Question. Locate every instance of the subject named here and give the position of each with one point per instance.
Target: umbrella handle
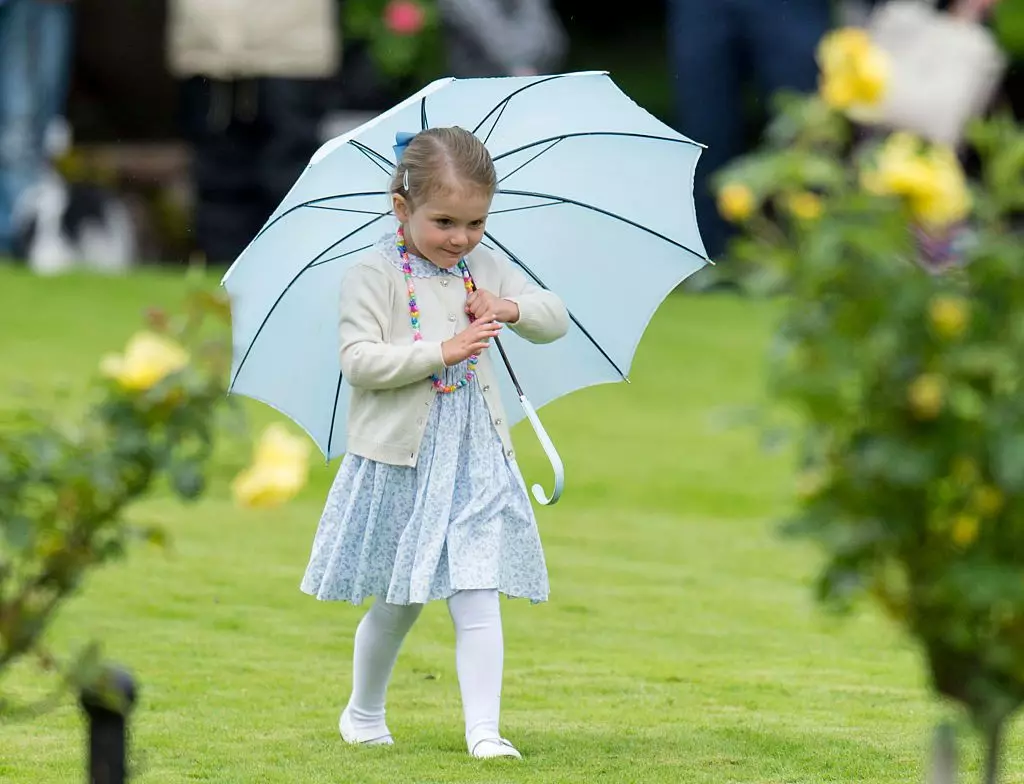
(550, 451)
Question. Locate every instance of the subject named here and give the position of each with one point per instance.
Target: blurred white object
(237, 39)
(946, 69)
(62, 227)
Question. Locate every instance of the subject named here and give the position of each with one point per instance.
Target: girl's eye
(444, 222)
(477, 224)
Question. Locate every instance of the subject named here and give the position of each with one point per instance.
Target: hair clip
(405, 180)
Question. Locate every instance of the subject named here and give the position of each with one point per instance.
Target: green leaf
(187, 479)
(1008, 460)
(17, 531)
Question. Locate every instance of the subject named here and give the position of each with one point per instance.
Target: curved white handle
(550, 451)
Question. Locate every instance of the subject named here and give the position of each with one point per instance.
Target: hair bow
(402, 140)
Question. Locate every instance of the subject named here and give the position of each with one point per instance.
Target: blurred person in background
(254, 97)
(720, 51)
(486, 38)
(35, 58)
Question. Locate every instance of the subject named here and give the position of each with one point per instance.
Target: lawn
(681, 644)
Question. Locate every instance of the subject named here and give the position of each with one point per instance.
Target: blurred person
(718, 51)
(254, 96)
(501, 37)
(35, 58)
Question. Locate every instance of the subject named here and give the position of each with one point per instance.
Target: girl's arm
(367, 359)
(543, 317)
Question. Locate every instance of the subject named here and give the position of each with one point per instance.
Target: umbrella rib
(340, 256)
(314, 202)
(607, 213)
(383, 163)
(334, 412)
(497, 120)
(291, 283)
(527, 207)
(528, 161)
(504, 101)
(342, 209)
(423, 114)
(572, 317)
(580, 134)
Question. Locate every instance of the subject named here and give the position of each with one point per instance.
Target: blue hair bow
(402, 140)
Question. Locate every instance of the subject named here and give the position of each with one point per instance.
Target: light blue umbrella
(594, 202)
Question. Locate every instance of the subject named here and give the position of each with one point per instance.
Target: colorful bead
(414, 314)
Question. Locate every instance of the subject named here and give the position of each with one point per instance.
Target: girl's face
(447, 226)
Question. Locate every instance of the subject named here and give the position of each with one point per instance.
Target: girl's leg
(377, 642)
(479, 659)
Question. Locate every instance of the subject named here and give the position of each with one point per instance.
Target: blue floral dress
(460, 519)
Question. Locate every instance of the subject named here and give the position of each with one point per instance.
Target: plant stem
(993, 752)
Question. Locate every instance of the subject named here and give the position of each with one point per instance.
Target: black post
(107, 706)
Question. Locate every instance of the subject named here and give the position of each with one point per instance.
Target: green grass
(681, 643)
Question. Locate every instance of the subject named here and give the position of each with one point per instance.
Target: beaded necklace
(414, 314)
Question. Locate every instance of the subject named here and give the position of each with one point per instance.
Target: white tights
(479, 659)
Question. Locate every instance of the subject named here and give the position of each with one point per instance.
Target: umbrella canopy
(594, 202)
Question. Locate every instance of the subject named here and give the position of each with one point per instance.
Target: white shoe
(489, 748)
(351, 735)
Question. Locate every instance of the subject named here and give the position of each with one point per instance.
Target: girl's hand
(480, 303)
(472, 340)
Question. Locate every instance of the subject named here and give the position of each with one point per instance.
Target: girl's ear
(400, 207)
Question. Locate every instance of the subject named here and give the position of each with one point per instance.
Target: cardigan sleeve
(543, 317)
(367, 359)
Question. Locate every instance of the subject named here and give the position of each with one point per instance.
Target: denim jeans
(35, 47)
(720, 47)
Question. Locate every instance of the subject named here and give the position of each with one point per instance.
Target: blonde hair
(441, 159)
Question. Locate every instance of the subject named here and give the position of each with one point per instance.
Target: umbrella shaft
(508, 366)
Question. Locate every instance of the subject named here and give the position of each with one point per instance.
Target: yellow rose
(949, 316)
(279, 470)
(736, 202)
(988, 501)
(854, 72)
(926, 395)
(804, 206)
(965, 530)
(148, 359)
(931, 179)
(900, 168)
(945, 199)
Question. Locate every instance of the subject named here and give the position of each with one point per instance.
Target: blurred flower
(931, 179)
(404, 17)
(947, 199)
(965, 530)
(948, 316)
(988, 501)
(279, 470)
(804, 206)
(854, 72)
(735, 202)
(926, 395)
(148, 359)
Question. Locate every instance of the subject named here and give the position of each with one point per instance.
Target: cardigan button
(451, 317)
(444, 282)
(487, 387)
(497, 422)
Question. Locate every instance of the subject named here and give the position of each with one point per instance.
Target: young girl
(428, 502)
